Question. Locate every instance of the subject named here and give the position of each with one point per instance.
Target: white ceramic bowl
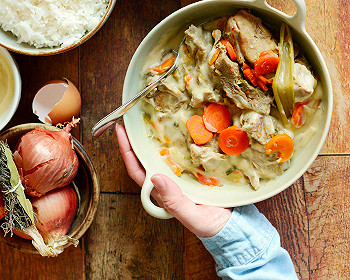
(9, 41)
(225, 196)
(6, 58)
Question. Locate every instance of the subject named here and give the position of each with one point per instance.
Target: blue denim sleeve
(248, 247)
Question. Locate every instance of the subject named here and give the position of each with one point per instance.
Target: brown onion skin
(2, 207)
(55, 212)
(45, 160)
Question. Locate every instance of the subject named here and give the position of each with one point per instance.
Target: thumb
(173, 199)
(202, 220)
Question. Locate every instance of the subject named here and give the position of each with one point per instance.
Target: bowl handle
(150, 208)
(297, 20)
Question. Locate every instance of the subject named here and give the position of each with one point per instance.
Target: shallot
(55, 212)
(53, 219)
(46, 160)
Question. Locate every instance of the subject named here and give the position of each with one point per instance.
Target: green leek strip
(19, 210)
(283, 84)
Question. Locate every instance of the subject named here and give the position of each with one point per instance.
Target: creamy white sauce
(6, 85)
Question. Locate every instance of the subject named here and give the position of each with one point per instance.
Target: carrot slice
(196, 128)
(282, 143)
(233, 141)
(165, 65)
(216, 117)
(250, 76)
(230, 50)
(214, 57)
(299, 115)
(212, 181)
(266, 63)
(164, 152)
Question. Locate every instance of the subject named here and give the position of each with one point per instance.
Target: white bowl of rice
(49, 27)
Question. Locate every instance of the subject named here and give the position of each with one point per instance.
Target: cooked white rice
(50, 23)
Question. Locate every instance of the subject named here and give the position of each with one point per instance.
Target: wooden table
(123, 241)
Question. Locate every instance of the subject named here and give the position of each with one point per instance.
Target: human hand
(202, 220)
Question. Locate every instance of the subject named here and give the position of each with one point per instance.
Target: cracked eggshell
(57, 102)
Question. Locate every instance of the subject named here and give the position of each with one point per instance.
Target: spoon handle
(110, 119)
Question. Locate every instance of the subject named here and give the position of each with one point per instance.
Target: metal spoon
(110, 119)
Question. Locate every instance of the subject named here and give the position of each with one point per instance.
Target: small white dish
(9, 41)
(9, 102)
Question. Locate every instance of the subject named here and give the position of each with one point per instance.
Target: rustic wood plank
(124, 242)
(327, 196)
(315, 25)
(102, 75)
(288, 214)
(15, 265)
(198, 262)
(337, 55)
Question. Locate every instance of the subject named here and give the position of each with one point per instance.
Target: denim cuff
(244, 238)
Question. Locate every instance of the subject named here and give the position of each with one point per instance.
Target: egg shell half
(57, 102)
